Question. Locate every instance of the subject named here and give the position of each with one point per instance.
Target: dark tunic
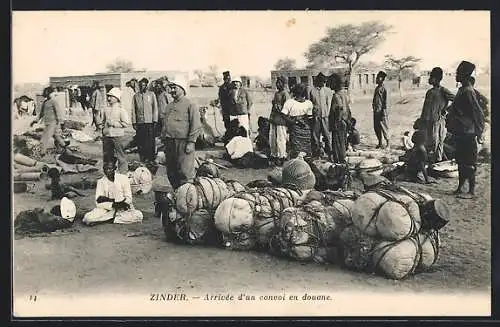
(279, 99)
(466, 122)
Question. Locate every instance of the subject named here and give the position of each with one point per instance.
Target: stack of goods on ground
(188, 214)
(394, 232)
(383, 229)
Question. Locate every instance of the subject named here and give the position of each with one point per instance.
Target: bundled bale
(397, 260)
(330, 176)
(394, 260)
(298, 172)
(307, 233)
(203, 193)
(141, 180)
(429, 242)
(189, 217)
(370, 166)
(195, 229)
(386, 214)
(247, 219)
(208, 169)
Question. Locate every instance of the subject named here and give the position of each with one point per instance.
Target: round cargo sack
(197, 228)
(234, 219)
(430, 243)
(186, 199)
(397, 260)
(386, 214)
(235, 187)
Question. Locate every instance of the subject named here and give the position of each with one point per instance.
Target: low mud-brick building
(111, 79)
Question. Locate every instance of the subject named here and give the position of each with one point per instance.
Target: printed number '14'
(33, 298)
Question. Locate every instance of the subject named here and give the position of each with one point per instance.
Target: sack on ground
(385, 214)
(306, 233)
(248, 218)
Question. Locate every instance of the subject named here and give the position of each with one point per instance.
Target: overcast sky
(246, 42)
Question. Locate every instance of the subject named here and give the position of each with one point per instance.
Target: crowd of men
(316, 121)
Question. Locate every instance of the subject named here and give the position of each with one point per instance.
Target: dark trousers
(380, 125)
(146, 144)
(320, 128)
(180, 165)
(113, 147)
(339, 142)
(226, 119)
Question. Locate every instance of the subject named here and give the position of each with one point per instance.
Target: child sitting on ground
(353, 137)
(417, 160)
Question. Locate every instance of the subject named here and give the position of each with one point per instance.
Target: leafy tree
(199, 74)
(285, 64)
(346, 44)
(401, 66)
(213, 72)
(120, 66)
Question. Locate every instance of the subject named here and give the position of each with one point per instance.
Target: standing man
(225, 98)
(277, 130)
(380, 115)
(466, 123)
(181, 129)
(134, 84)
(321, 97)
(162, 98)
(98, 103)
(240, 105)
(126, 98)
(53, 117)
(339, 120)
(433, 115)
(144, 120)
(115, 120)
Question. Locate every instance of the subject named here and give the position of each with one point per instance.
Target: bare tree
(401, 66)
(346, 44)
(120, 66)
(285, 64)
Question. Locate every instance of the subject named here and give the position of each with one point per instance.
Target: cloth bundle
(247, 219)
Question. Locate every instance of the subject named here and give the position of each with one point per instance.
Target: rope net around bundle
(387, 215)
(247, 219)
(190, 214)
(392, 259)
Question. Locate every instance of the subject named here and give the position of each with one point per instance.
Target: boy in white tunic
(113, 199)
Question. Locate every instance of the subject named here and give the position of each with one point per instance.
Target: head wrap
(144, 80)
(466, 68)
(226, 73)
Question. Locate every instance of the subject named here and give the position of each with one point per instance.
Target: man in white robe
(113, 199)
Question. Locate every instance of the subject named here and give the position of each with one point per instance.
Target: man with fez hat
(225, 98)
(433, 115)
(466, 123)
(380, 115)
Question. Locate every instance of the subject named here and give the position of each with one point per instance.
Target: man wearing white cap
(180, 131)
(115, 120)
(241, 104)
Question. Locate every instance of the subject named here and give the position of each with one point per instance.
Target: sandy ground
(103, 258)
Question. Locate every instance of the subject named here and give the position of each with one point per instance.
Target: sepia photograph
(251, 163)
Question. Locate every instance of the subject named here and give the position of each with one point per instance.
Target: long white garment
(277, 140)
(243, 119)
(239, 146)
(118, 190)
(126, 100)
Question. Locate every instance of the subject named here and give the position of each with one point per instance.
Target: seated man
(241, 153)
(113, 199)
